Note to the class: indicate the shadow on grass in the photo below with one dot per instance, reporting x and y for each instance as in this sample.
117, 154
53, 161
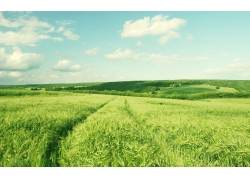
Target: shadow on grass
51, 155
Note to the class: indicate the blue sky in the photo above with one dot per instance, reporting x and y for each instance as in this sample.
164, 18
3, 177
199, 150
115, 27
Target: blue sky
100, 46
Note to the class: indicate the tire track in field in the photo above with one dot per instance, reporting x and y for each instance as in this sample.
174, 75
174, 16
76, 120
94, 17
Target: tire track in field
52, 152
131, 113
139, 122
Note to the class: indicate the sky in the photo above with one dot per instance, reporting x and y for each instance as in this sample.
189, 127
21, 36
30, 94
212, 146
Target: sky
44, 47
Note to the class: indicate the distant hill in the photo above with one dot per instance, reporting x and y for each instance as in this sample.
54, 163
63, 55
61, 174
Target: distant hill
174, 89
149, 86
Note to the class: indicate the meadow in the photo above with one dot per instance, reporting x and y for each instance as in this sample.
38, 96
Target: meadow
193, 89
87, 130
32, 126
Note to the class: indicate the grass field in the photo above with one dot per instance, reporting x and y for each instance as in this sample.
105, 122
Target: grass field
192, 89
32, 126
102, 130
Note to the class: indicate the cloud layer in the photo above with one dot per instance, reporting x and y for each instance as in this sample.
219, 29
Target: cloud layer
119, 54
139, 43
236, 67
19, 61
157, 25
26, 30
156, 58
66, 66
92, 51
67, 32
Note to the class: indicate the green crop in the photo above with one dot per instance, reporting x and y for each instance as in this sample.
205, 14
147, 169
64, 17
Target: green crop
31, 127
77, 130
155, 132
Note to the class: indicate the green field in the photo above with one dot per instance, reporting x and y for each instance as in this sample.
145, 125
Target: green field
170, 89
193, 89
87, 130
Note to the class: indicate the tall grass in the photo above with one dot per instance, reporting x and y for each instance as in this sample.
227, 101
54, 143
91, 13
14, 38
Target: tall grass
111, 137
199, 133
18, 92
31, 127
155, 132
102, 130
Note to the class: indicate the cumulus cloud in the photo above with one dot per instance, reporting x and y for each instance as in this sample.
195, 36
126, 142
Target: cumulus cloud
65, 22
70, 35
7, 23
10, 74
67, 32
202, 59
119, 54
236, 60
236, 67
189, 37
28, 30
19, 61
129, 54
169, 35
165, 58
92, 51
138, 43
14, 74
24, 37
157, 25
66, 66
60, 29
2, 73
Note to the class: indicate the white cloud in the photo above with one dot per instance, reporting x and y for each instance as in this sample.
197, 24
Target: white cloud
92, 51
19, 61
56, 38
60, 29
24, 37
119, 54
138, 43
2, 73
24, 21
154, 26
19, 38
156, 58
175, 57
7, 23
202, 59
10, 74
189, 37
169, 35
28, 30
157, 25
236, 60
121, 78
65, 22
67, 32
66, 66
224, 54
70, 35
14, 74
234, 68
51, 29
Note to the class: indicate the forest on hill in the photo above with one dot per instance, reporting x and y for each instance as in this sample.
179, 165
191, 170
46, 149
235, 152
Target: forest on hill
173, 89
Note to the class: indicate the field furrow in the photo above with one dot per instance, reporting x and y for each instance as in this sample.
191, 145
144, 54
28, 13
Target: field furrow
31, 128
103, 130
111, 137
198, 133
